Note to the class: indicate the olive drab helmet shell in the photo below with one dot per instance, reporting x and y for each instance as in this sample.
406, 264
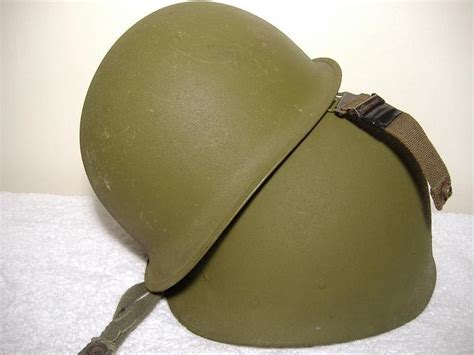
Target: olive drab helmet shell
188, 113
268, 220
324, 253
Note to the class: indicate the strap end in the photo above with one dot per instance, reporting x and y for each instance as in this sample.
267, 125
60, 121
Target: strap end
441, 193
98, 346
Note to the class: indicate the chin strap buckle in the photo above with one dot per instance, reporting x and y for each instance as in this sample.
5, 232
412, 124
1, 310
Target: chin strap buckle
368, 111
371, 109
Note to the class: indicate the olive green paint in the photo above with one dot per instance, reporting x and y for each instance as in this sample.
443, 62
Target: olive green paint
187, 114
203, 124
325, 252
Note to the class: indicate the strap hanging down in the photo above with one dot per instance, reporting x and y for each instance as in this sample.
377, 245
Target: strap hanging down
372, 111
136, 303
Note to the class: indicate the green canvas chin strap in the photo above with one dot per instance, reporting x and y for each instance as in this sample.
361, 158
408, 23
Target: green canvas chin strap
383, 121
136, 303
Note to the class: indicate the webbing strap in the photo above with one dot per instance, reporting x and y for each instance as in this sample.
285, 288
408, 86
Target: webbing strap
136, 303
371, 110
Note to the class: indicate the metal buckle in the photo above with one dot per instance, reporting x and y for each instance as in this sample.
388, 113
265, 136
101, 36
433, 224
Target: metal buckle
361, 110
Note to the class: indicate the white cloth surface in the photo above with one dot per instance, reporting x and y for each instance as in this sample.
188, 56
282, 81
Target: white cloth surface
65, 263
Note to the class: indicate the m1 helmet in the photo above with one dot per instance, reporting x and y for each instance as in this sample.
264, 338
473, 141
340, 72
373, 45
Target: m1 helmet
267, 219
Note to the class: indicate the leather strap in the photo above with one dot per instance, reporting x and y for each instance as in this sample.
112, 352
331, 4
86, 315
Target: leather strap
371, 111
136, 303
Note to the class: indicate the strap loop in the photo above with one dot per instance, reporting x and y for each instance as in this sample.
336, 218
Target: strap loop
373, 110
135, 304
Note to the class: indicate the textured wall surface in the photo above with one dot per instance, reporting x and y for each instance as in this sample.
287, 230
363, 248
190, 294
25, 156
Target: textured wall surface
417, 55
